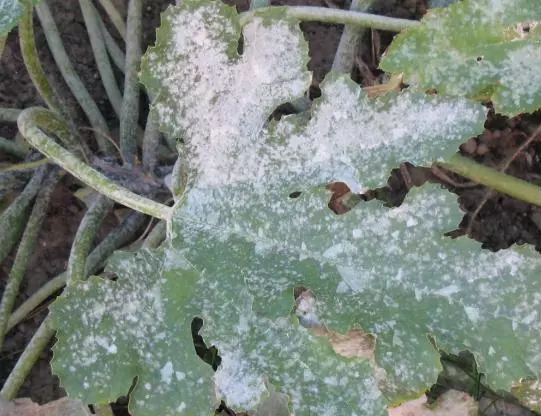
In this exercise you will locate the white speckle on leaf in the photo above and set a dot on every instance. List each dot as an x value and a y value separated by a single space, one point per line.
167 372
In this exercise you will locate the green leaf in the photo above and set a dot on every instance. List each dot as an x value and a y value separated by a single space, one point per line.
11 12
389 272
201 80
489 49
138 326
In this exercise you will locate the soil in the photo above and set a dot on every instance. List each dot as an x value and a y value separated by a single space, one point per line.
501 222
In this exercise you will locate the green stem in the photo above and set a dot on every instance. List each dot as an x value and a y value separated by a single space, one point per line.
156 236
85 173
10 114
118 237
130 103
115 17
11 220
9 146
115 52
97 42
344 58
26 361
258 4
151 141
52 124
346 17
500 182
26 249
71 78
84 238
179 177
2 44
29 51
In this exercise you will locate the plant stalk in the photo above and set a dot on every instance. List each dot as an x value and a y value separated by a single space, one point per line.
26 248
118 237
10 114
130 104
11 220
2 44
73 81
85 173
26 361
84 238
156 236
9 146
344 59
93 27
115 52
500 182
346 17
33 66
151 142
115 17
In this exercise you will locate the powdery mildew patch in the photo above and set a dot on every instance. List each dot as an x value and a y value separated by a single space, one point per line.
471 47
209 94
110 332
389 272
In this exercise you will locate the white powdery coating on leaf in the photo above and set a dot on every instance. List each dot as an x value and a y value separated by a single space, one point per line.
237 382
217 102
431 58
521 77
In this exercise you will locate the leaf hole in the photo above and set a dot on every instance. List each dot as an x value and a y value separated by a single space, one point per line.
207 354
295 194
342 199
240 45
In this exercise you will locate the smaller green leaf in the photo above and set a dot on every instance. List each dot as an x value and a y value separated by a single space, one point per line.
111 332
487 49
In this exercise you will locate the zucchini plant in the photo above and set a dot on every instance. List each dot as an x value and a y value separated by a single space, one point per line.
327 314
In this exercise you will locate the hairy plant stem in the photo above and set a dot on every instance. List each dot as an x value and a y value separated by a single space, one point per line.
156 236
344 59
26 361
115 17
71 78
9 146
84 238
151 141
85 173
26 248
346 17
118 237
33 66
500 182
12 219
2 44
51 123
130 103
93 27
10 114
115 52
